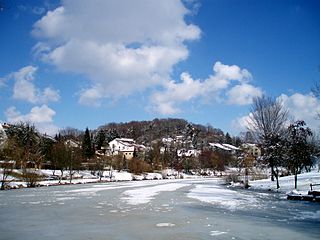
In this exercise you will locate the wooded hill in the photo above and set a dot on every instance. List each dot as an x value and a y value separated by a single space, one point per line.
148 132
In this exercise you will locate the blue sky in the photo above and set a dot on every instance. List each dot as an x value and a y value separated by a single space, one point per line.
86 63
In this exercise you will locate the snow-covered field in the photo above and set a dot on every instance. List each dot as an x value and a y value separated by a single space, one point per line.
287 183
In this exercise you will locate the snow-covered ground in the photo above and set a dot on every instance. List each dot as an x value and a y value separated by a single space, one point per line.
81 177
201 192
287 183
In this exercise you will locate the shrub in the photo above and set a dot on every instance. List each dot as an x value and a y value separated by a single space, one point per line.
138 166
32 178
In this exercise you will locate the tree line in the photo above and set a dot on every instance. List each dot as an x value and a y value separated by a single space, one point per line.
285 144
72 150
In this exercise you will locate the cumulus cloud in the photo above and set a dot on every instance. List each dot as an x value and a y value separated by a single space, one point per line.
229 83
303 107
41 116
123 46
25 89
243 94
300 106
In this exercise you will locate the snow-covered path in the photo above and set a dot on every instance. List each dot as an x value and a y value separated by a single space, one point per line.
174 209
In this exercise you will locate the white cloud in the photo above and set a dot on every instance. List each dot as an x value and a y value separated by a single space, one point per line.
227 84
243 94
301 107
127 46
240 124
24 88
232 72
50 94
41 116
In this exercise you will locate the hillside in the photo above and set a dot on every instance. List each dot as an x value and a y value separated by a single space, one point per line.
146 132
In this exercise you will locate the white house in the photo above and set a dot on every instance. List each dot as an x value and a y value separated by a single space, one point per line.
188 153
125 146
252 149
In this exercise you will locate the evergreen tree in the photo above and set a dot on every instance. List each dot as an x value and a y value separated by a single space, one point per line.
87 149
274 154
112 134
228 138
27 137
299 150
100 139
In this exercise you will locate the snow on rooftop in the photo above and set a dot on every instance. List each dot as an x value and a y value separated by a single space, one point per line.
125 139
224 146
218 145
231 146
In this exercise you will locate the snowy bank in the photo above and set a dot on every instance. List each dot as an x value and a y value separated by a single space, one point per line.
287 183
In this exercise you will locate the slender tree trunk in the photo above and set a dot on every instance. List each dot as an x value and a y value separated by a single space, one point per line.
4 177
2 183
277 178
61 176
272 173
276 175
70 173
246 178
295 180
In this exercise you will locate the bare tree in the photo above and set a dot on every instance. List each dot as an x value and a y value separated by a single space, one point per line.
267 119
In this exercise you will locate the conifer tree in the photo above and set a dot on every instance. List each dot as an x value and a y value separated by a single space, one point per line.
87 148
298 149
228 138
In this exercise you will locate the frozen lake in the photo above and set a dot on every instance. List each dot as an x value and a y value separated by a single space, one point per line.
167 209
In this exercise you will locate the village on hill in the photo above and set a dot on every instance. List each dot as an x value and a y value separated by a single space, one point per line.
106 154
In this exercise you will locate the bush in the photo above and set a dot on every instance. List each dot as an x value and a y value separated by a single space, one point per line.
137 166
32 178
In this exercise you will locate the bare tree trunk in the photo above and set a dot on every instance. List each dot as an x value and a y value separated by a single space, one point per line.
70 173
61 176
246 178
272 173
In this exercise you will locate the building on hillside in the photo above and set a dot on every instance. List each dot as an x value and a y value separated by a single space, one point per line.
168 140
126 147
225 147
188 153
72 143
6 126
252 149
